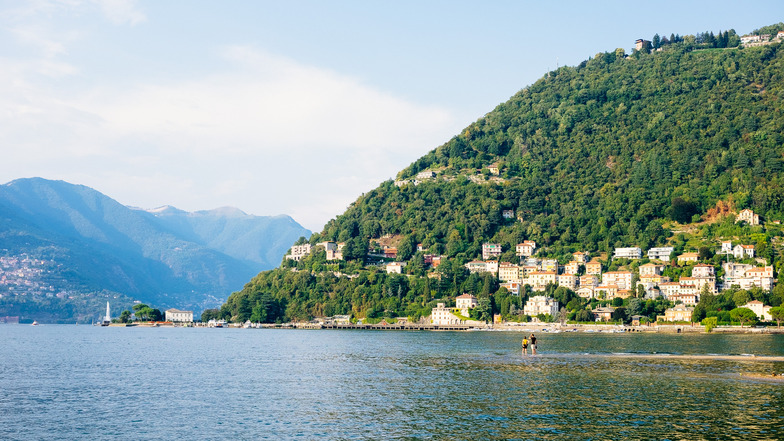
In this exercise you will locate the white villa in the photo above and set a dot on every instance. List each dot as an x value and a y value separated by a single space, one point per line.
541 305
177 316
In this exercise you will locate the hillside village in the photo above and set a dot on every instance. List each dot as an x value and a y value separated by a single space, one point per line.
587 275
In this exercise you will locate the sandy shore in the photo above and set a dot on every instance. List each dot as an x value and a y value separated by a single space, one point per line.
723 357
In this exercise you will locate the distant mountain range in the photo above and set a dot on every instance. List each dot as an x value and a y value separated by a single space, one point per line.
89 243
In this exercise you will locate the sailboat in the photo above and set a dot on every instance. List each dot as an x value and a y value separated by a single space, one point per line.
108 318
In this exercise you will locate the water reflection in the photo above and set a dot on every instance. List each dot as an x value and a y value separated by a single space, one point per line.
228 384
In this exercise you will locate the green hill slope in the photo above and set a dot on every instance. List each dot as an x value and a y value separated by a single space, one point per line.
609 153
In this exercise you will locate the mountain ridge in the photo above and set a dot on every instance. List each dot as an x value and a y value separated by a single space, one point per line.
188 260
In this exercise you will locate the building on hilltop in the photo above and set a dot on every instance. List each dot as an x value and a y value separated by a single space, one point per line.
299 251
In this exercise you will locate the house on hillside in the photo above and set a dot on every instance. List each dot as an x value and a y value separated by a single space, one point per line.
651 269
743 251
686 258
299 251
490 250
525 249
748 216
465 302
572 267
628 253
660 253
507 214
581 257
395 268
593 267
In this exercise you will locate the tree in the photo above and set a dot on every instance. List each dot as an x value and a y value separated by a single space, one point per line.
710 323
682 211
743 315
777 312
656 41
741 298
210 314
125 316
619 314
484 309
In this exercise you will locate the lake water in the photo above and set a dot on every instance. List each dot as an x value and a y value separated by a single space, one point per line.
79 382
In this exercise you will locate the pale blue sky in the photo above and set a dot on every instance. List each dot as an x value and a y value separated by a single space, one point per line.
292 107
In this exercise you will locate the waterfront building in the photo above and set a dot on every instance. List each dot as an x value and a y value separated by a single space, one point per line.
465 302
178 316
679 313
541 305
441 315
603 313
760 309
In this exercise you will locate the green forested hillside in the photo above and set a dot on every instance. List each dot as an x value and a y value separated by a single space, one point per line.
612 152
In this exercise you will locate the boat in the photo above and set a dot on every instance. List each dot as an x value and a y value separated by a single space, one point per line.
35 323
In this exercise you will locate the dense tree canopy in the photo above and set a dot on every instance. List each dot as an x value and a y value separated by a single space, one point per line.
591 157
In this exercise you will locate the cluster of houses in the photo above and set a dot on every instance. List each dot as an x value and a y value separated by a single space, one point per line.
761 40
334 250
586 277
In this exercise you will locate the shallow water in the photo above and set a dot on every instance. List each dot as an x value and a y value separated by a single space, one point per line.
79 381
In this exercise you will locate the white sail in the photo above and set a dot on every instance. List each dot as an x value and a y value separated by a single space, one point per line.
108 316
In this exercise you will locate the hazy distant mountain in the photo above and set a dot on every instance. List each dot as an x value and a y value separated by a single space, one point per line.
167 257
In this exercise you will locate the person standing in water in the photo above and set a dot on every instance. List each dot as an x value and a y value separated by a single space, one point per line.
525 346
533 344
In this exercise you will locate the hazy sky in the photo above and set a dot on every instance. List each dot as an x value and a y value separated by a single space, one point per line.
293 107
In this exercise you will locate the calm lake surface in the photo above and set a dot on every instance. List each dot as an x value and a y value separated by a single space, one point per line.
80 382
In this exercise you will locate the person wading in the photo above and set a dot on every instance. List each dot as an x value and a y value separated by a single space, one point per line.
525 346
533 344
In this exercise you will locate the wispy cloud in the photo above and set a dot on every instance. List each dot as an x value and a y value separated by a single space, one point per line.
262 132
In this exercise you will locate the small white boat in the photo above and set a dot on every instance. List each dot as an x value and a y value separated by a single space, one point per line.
35 323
